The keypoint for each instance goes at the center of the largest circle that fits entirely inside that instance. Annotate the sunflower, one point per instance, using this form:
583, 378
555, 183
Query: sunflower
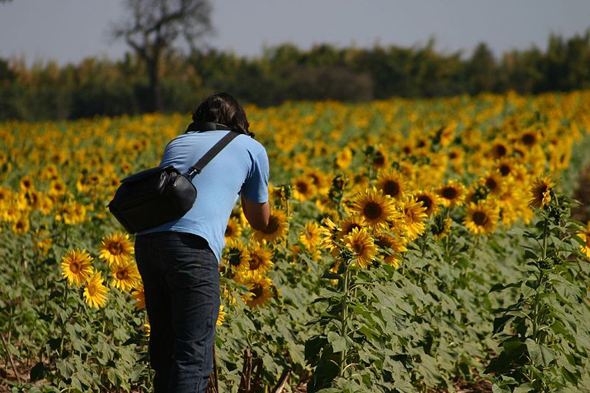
481, 218
379, 158
139, 295
585, 248
303, 188
387, 244
259, 261
235, 255
95, 292
147, 329
319, 179
414, 217
391, 183
343, 158
116, 249
21, 224
452, 193
76, 267
429, 200
126, 276
260, 291
361, 244
374, 207
233, 230
541, 191
493, 181
277, 227
441, 227
220, 316
26, 183
310, 237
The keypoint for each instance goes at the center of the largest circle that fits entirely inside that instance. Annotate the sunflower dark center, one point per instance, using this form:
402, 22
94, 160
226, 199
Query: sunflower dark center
75, 267
452, 155
391, 188
491, 184
115, 248
449, 193
505, 170
122, 274
257, 291
501, 150
529, 139
372, 210
255, 262
351, 227
480, 218
379, 159
302, 187
234, 257
229, 231
426, 202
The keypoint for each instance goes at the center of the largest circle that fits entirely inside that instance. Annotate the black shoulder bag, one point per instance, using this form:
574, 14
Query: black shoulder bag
158, 195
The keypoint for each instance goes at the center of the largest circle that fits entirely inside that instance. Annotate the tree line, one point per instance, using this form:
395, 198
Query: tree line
100, 86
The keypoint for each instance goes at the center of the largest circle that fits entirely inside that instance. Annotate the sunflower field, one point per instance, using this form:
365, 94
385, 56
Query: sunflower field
414, 246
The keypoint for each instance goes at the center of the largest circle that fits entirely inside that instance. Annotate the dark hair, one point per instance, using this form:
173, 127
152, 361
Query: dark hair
221, 107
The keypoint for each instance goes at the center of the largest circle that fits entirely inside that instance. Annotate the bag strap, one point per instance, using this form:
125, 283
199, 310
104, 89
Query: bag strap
223, 142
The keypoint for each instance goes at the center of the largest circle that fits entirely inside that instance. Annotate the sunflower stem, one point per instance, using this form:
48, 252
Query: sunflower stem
343, 318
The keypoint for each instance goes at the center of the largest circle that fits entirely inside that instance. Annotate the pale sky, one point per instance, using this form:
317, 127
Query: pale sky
69, 30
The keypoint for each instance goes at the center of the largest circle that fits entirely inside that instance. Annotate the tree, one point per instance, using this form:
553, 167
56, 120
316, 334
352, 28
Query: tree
153, 27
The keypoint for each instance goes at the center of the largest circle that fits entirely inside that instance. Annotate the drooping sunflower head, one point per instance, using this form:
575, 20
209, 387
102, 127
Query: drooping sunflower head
481, 218
116, 249
277, 227
541, 191
76, 267
391, 183
390, 248
452, 194
362, 246
374, 207
125, 275
95, 292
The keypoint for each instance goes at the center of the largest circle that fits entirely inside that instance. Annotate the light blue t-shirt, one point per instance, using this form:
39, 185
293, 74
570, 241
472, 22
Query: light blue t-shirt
241, 167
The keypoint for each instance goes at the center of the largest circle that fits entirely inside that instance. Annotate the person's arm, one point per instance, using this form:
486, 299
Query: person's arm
254, 192
257, 214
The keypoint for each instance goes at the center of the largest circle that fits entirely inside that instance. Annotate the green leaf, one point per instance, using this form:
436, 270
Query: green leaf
539, 353
338, 342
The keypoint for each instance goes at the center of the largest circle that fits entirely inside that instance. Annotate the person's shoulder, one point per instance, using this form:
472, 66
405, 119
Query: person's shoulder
251, 144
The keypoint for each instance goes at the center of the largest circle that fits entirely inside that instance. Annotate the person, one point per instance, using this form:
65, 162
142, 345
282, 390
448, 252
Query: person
178, 261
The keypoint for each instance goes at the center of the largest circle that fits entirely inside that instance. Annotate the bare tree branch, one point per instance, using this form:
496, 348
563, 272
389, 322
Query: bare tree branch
152, 28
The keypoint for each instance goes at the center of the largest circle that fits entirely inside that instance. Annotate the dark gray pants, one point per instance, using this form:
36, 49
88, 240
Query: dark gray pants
181, 283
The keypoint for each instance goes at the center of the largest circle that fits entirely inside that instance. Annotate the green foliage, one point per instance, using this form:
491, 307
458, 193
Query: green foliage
285, 72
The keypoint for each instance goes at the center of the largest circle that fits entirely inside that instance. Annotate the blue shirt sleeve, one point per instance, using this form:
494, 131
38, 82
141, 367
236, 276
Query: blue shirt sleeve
255, 187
